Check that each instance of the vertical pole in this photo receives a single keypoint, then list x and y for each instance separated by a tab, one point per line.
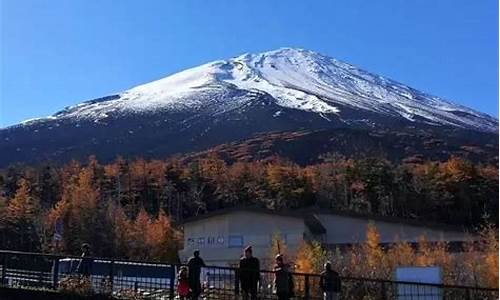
4	270
111	276
40	277
306	287
55	273
384	291
467	291
236	282
172	281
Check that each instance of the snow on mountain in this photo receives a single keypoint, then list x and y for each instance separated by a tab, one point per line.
294	78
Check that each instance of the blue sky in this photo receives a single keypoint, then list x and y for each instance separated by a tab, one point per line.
58	53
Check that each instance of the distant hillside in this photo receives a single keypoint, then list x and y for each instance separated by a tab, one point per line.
411	145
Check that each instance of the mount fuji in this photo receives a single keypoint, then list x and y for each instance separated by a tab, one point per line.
228	101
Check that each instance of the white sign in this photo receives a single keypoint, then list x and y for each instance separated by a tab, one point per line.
419	275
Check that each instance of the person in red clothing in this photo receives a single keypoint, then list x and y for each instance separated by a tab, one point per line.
183	283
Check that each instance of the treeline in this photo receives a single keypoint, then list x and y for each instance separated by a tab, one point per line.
131	208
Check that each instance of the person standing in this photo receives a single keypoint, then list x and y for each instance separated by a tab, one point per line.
283	281
183	283
330	283
249	274
195	264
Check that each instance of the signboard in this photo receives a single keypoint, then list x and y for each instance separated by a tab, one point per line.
58	226
235	241
209	241
419	275
58	232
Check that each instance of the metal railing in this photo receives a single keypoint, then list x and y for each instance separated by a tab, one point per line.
128	279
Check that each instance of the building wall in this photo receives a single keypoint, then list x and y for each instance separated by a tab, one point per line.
221	238
345	230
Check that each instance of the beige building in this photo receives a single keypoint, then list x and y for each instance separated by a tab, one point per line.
222	235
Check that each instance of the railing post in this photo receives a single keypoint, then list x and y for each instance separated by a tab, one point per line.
468	293
306	287
172	281
55	273
236	282
384	291
4	269
111	276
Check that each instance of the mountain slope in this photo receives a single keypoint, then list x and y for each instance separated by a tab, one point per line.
397	145
227	100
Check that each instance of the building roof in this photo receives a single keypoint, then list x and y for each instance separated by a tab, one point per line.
391	219
309	215
253	209
314	225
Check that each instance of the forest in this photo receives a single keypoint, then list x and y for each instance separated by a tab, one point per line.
133	208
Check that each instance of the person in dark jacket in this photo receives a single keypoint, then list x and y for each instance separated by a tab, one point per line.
283	281
195	264
249	274
85	265
330	283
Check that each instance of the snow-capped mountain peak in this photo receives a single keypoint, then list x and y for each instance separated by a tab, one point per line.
294	78
318	105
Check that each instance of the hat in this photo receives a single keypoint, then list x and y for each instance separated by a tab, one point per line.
248	248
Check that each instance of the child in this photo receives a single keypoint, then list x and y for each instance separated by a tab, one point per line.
183	283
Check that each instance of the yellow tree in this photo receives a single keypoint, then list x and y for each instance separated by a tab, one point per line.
82	219
356	262
139	247
121	227
489	255
3	209
23	205
85	217
424	256
442	258
22	218
400	254
310	257
162	239
212	167
373	253
304	258
3	222
467	268
59	213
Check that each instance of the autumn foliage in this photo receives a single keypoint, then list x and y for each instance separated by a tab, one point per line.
86	214
132	208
